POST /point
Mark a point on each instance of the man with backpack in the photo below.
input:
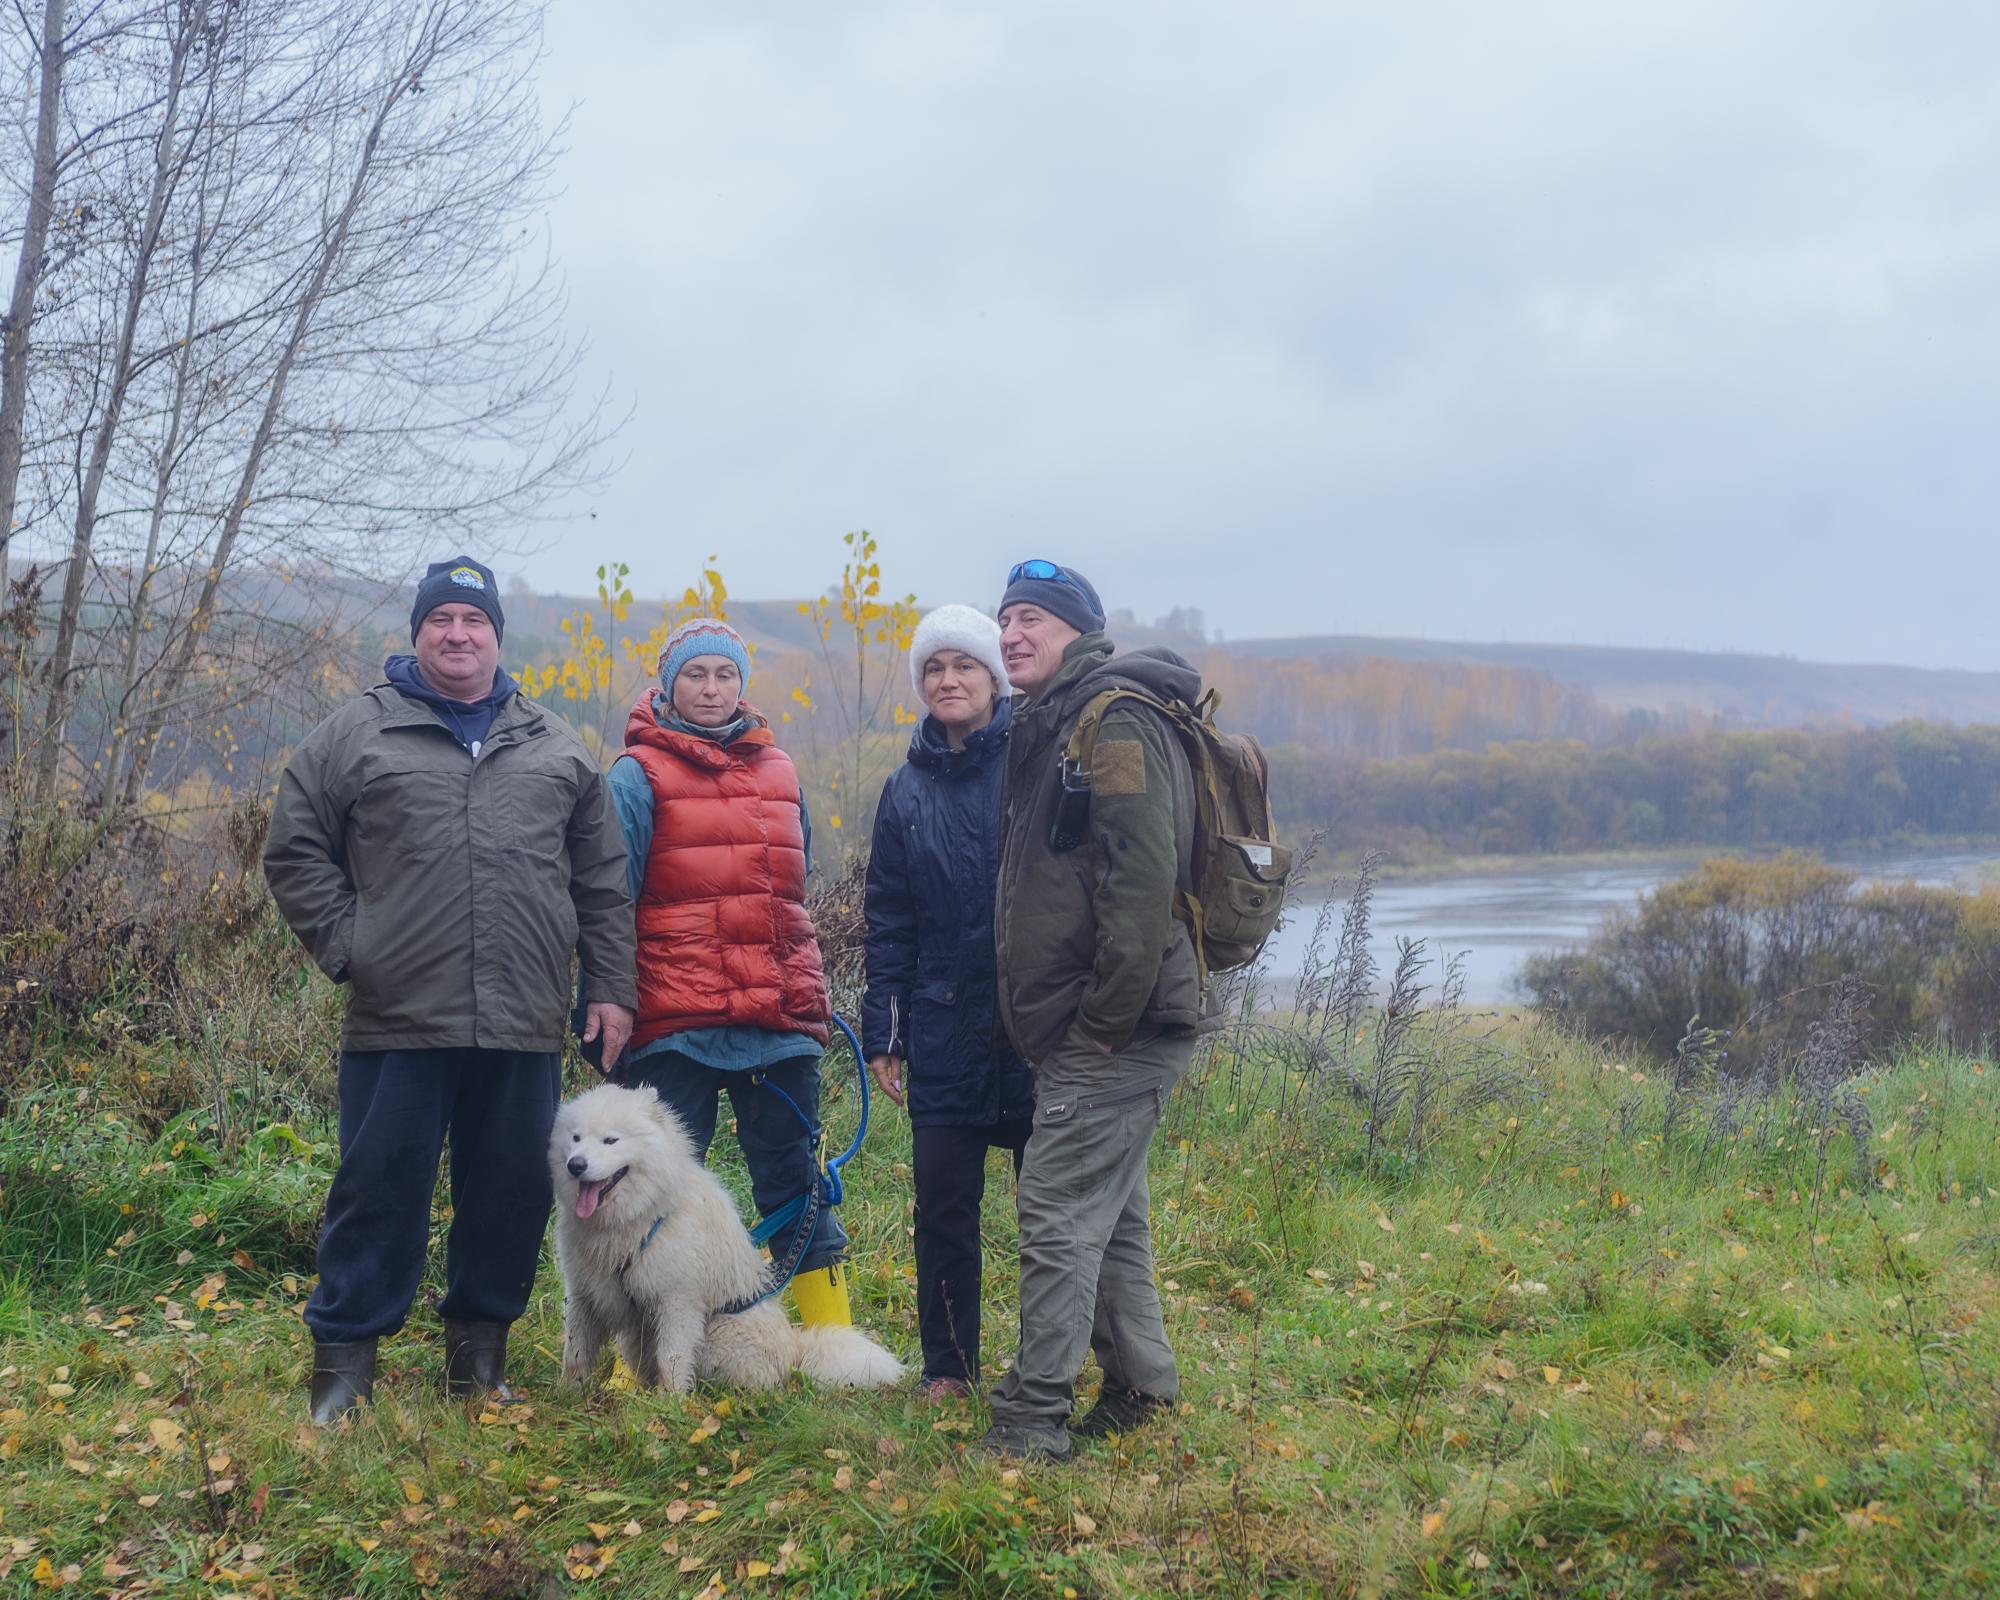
(1100, 988)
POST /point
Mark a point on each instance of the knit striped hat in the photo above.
(701, 636)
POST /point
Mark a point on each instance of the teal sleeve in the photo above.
(633, 796)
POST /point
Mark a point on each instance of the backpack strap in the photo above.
(1082, 749)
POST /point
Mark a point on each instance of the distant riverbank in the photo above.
(1324, 871)
(1495, 917)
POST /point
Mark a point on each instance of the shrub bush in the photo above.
(1757, 947)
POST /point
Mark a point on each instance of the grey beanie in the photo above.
(1061, 591)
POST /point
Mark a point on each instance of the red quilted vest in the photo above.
(724, 938)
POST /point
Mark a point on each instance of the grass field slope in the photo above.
(1530, 1320)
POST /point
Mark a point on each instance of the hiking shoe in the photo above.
(1118, 1411)
(1017, 1441)
(942, 1389)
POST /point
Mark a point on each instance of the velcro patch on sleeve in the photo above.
(1118, 766)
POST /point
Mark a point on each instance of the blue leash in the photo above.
(802, 1214)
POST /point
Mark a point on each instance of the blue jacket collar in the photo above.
(931, 748)
(401, 670)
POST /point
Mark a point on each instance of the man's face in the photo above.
(1032, 642)
(458, 652)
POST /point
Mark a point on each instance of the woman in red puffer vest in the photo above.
(732, 994)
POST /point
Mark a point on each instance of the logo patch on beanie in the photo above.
(467, 578)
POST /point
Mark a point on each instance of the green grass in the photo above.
(1548, 1356)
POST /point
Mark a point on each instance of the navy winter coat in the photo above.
(929, 907)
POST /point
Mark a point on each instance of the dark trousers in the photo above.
(777, 1126)
(950, 1172)
(397, 1108)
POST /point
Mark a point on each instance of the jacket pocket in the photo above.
(412, 808)
(535, 809)
(934, 1045)
(359, 943)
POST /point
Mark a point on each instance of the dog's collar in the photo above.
(634, 1256)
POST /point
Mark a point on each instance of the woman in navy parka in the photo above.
(927, 1017)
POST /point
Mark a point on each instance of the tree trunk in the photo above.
(28, 275)
(331, 245)
(166, 172)
(128, 684)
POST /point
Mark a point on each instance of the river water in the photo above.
(1497, 920)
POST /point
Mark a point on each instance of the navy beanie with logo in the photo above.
(1067, 595)
(461, 581)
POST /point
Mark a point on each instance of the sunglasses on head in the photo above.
(1044, 571)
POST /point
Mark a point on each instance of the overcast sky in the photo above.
(1662, 324)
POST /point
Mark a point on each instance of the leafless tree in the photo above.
(29, 265)
(187, 22)
(315, 331)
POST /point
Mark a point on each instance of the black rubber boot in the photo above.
(343, 1380)
(475, 1361)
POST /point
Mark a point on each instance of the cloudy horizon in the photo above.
(1650, 326)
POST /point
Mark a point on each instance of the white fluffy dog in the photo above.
(652, 1249)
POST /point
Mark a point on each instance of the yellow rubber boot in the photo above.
(821, 1296)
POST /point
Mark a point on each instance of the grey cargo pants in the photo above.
(1086, 1249)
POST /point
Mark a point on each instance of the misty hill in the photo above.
(1738, 689)
(1679, 687)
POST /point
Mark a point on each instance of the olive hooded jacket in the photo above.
(1087, 938)
(449, 890)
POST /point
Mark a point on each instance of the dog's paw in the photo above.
(677, 1374)
(579, 1368)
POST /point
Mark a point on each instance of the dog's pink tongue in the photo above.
(587, 1196)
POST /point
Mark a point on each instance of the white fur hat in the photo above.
(957, 628)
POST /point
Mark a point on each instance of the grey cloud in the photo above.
(1463, 321)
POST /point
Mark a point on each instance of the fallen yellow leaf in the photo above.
(1552, 1376)
(413, 1491)
(1433, 1524)
(1085, 1524)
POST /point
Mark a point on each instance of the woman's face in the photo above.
(707, 691)
(958, 691)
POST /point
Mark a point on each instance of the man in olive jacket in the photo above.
(443, 846)
(1100, 992)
